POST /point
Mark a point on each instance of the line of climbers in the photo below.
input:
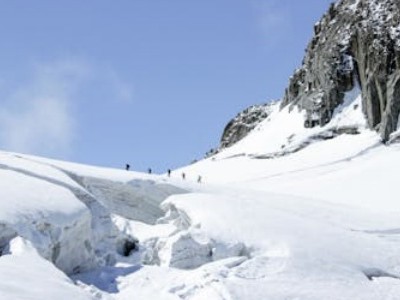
(149, 170)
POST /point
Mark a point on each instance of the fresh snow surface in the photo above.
(26, 275)
(287, 213)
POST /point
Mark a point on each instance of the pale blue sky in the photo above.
(152, 83)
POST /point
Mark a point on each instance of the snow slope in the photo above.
(287, 213)
(26, 275)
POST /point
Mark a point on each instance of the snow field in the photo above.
(287, 213)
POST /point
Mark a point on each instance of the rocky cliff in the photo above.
(357, 42)
(244, 122)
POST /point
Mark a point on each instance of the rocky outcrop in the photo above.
(356, 42)
(355, 47)
(242, 124)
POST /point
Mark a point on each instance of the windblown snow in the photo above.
(287, 213)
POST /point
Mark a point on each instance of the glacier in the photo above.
(279, 215)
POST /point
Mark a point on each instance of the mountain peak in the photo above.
(355, 42)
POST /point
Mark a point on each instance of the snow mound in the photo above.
(26, 275)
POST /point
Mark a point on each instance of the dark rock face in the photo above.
(356, 42)
(242, 124)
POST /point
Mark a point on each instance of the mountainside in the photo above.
(240, 126)
(356, 42)
(243, 123)
(300, 201)
(256, 227)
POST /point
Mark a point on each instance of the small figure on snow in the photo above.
(149, 170)
(127, 167)
(199, 179)
(169, 172)
(183, 176)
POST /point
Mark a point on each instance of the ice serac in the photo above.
(135, 200)
(66, 216)
(355, 42)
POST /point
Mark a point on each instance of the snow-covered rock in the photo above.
(243, 123)
(355, 42)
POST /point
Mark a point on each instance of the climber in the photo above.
(183, 176)
(169, 172)
(127, 167)
(199, 179)
(149, 170)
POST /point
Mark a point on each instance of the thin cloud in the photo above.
(123, 91)
(273, 19)
(37, 117)
(43, 126)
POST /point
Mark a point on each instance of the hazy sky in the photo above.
(149, 82)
